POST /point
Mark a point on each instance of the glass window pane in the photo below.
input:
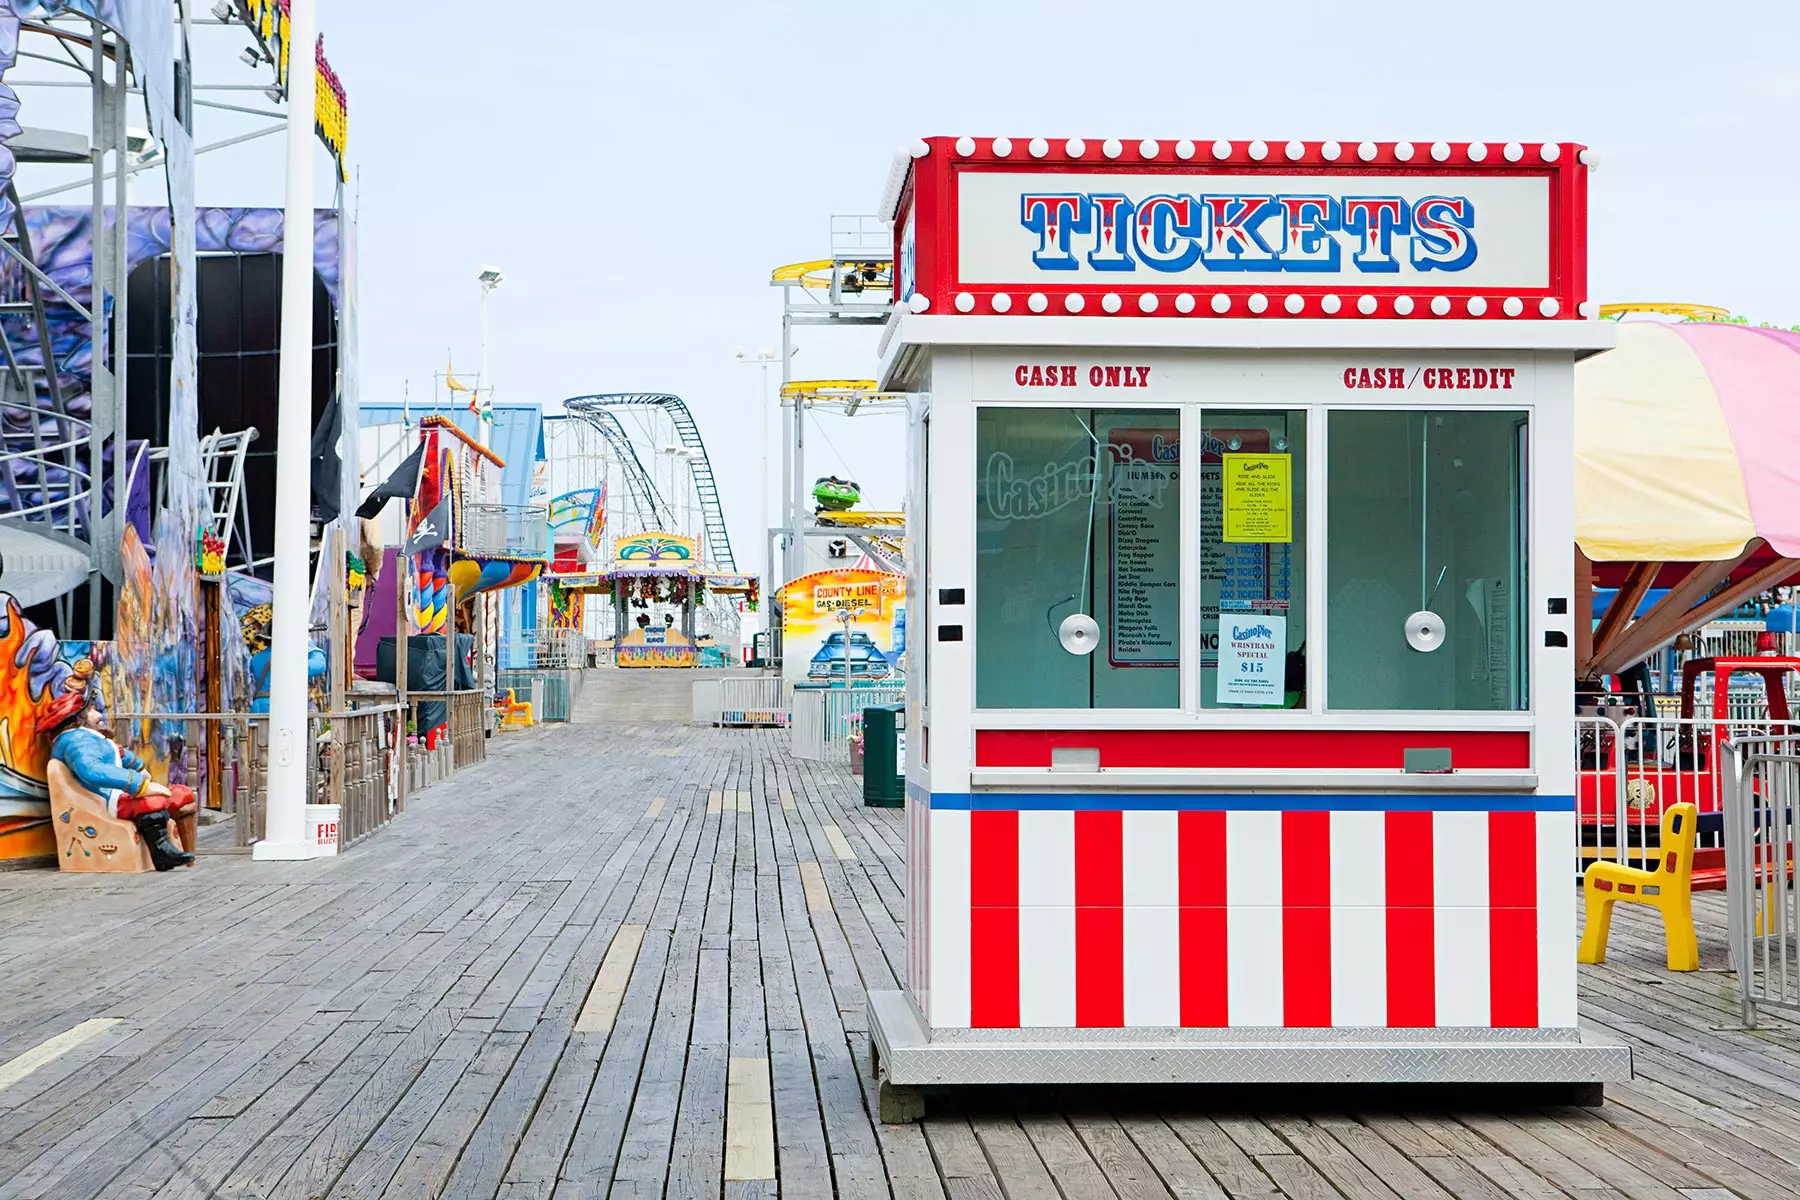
(1253, 559)
(1051, 545)
(1426, 511)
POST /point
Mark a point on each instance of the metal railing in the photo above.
(1762, 777)
(352, 764)
(822, 718)
(543, 649)
(238, 792)
(467, 720)
(1628, 771)
(754, 693)
(508, 530)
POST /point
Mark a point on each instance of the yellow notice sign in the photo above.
(1259, 505)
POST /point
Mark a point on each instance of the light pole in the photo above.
(846, 616)
(680, 485)
(289, 743)
(490, 278)
(763, 358)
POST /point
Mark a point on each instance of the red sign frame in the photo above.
(927, 197)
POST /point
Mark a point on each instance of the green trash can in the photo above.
(884, 756)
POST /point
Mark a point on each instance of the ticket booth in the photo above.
(1240, 526)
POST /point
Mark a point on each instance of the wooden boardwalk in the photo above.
(630, 960)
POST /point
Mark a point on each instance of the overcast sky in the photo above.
(638, 169)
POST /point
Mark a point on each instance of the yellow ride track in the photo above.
(817, 273)
(851, 394)
(860, 520)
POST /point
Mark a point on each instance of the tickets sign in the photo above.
(1071, 227)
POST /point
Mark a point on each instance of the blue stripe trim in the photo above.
(1250, 802)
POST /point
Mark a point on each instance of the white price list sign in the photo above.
(1252, 658)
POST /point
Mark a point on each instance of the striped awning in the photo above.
(1687, 444)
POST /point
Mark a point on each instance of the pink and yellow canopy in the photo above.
(1687, 443)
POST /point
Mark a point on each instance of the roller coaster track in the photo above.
(599, 412)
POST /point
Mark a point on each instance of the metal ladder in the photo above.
(228, 517)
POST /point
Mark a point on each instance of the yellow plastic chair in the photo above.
(1668, 888)
(514, 714)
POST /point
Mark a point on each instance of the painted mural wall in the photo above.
(848, 623)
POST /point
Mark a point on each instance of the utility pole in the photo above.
(489, 278)
(289, 740)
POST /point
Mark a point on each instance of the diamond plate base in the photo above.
(907, 1056)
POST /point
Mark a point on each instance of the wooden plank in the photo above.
(818, 896)
(1017, 1167)
(1381, 1159)
(749, 1121)
(608, 992)
(840, 846)
(655, 809)
(1298, 1179)
(1076, 1173)
(1231, 1167)
(715, 802)
(47, 1052)
(1126, 1170)
(1176, 1165)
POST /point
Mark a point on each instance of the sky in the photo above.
(637, 170)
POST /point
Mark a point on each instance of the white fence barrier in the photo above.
(746, 694)
(822, 718)
(753, 693)
(808, 724)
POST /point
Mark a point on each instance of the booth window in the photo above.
(1253, 559)
(1426, 515)
(1078, 515)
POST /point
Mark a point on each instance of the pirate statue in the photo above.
(82, 741)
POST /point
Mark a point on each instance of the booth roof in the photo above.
(1687, 444)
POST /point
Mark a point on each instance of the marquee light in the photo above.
(268, 19)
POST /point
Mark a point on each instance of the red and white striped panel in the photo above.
(1451, 919)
